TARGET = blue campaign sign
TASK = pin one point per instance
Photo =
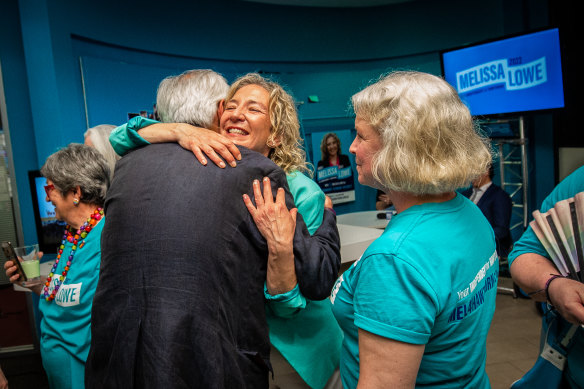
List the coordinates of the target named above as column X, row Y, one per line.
column 517, row 74
column 334, row 173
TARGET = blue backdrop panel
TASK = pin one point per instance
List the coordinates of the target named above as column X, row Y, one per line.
column 115, row 88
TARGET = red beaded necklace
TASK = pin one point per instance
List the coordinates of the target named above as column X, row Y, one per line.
column 68, row 236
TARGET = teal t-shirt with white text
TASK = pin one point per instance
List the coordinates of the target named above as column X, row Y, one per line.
column 66, row 321
column 430, row 279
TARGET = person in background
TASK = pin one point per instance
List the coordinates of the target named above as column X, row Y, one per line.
column 247, row 114
column 496, row 205
column 415, row 141
column 77, row 181
column 3, row 380
column 330, row 148
column 532, row 269
column 383, row 201
column 98, row 137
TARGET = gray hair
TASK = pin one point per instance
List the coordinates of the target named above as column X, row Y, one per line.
column 99, row 136
column 191, row 97
column 79, row 165
column 430, row 144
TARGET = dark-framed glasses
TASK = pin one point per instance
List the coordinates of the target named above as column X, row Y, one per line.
column 49, row 188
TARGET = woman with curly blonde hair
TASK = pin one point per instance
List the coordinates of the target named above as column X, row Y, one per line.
column 284, row 139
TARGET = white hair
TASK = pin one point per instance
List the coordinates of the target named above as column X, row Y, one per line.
column 430, row 144
column 191, row 97
column 99, row 137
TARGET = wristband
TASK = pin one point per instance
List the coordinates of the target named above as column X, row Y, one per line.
column 547, row 286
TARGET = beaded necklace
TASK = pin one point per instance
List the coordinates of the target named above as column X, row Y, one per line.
column 68, row 236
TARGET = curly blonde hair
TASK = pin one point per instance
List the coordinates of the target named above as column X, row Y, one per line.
column 430, row 143
column 285, row 127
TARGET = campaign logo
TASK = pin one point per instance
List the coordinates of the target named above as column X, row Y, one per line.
column 511, row 75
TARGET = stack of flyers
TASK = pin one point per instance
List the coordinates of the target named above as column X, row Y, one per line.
column 561, row 232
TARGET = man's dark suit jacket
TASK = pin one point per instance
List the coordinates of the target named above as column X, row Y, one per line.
column 496, row 205
column 180, row 301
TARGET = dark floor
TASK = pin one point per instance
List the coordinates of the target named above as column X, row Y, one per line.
column 24, row 371
column 512, row 348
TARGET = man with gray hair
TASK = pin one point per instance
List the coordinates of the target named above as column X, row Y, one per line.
column 180, row 300
column 193, row 98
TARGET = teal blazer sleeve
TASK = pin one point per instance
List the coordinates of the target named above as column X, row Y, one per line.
column 125, row 137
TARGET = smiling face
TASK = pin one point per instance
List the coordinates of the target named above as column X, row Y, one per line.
column 366, row 144
column 246, row 118
column 332, row 146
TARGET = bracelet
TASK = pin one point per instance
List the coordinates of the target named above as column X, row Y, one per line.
column 547, row 286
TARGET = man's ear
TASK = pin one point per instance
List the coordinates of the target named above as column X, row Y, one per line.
column 220, row 108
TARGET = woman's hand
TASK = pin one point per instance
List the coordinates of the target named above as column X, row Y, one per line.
column 383, row 201
column 3, row 380
column 328, row 202
column 277, row 225
column 532, row 271
column 199, row 140
column 11, row 273
column 567, row 296
column 202, row 141
column 10, row 270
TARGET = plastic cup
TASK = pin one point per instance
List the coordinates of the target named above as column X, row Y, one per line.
column 29, row 259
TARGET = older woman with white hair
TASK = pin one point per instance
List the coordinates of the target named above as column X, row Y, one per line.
column 98, row 137
column 416, row 308
column 77, row 182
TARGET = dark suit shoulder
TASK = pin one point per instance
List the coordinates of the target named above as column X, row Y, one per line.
column 497, row 191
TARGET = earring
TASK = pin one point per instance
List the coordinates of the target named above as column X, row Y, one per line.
column 76, row 202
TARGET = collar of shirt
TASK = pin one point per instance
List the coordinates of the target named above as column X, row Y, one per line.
column 479, row 192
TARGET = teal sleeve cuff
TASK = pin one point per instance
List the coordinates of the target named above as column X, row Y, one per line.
column 125, row 137
column 285, row 304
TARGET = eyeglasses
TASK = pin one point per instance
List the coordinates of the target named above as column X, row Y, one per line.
column 49, row 188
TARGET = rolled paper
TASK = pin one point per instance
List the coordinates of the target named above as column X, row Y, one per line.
column 562, row 243
column 541, row 229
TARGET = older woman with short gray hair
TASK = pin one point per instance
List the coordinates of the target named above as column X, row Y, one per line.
column 77, row 181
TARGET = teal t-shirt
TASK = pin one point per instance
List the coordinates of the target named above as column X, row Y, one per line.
column 528, row 243
column 431, row 279
column 66, row 321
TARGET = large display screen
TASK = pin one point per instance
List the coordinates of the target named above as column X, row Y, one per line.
column 49, row 229
column 517, row 74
